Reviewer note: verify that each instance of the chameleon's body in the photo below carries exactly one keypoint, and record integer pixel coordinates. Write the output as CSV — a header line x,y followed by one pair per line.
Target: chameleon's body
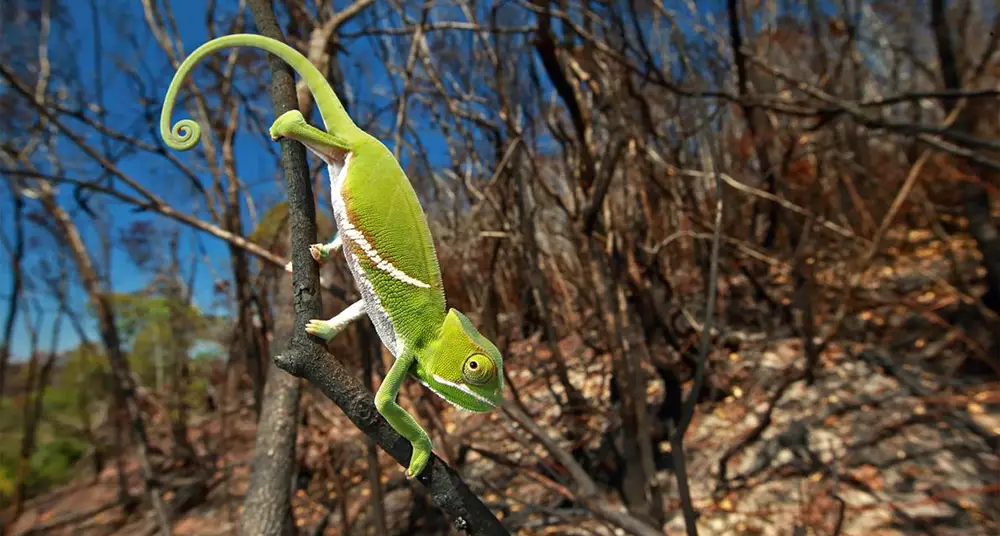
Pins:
x,y
388,247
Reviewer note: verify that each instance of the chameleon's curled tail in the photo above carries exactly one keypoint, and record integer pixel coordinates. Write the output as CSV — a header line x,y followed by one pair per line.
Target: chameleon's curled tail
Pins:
x,y
186,133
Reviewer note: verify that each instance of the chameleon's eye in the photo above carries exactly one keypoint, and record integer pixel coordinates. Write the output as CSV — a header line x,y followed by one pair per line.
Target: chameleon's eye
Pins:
x,y
478,369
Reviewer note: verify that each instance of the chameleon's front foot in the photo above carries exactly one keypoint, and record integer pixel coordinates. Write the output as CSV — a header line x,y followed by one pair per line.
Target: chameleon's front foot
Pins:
x,y
319,252
421,455
322,252
287,125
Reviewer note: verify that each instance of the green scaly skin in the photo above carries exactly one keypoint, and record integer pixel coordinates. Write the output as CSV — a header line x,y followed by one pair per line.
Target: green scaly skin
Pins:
x,y
388,247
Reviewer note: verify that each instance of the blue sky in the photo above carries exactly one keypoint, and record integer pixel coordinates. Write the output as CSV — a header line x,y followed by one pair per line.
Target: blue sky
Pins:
x,y
256,165
255,162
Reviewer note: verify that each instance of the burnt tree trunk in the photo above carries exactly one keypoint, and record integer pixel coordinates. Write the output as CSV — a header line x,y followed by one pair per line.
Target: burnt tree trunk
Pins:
x,y
575,401
756,126
178,302
975,198
247,343
28,432
641,494
267,507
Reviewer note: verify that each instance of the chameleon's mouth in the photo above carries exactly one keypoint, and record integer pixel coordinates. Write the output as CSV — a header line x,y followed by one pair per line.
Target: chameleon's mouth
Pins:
x,y
331,155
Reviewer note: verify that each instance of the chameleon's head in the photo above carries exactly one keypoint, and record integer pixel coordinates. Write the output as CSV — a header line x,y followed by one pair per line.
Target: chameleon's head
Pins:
x,y
462,366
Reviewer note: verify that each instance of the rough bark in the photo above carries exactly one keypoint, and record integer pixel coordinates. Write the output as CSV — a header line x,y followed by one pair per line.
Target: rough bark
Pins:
x,y
371,349
266,509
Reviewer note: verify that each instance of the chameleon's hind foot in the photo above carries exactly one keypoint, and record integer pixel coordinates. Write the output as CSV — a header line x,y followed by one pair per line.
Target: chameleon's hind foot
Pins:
x,y
323,329
328,329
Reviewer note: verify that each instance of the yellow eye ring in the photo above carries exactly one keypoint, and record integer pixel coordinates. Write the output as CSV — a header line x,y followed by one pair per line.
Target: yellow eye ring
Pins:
x,y
478,369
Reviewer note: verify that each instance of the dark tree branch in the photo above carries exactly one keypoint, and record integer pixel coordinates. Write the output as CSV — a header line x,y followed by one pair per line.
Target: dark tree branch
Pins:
x,y
858,115
586,491
123,384
546,47
149,201
267,507
607,173
913,385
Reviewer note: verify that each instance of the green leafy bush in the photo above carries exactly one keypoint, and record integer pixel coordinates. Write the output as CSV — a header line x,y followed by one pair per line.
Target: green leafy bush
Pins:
x,y
53,462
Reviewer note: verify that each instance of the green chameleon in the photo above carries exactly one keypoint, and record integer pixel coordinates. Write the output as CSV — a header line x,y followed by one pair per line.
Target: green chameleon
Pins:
x,y
389,249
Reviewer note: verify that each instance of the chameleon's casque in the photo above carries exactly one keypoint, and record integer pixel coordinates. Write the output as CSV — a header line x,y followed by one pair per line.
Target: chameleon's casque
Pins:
x,y
389,250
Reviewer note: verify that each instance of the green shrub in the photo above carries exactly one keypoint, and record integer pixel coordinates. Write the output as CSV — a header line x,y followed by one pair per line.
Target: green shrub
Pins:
x,y
52,463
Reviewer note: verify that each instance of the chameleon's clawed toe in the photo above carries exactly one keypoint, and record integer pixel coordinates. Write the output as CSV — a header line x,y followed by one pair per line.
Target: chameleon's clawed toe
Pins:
x,y
286,123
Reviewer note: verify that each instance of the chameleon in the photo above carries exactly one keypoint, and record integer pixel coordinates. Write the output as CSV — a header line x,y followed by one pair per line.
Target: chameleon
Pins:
x,y
383,233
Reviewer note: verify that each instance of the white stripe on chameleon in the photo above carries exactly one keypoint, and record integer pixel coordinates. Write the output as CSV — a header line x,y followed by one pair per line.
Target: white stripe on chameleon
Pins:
x,y
465,389
441,396
382,264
